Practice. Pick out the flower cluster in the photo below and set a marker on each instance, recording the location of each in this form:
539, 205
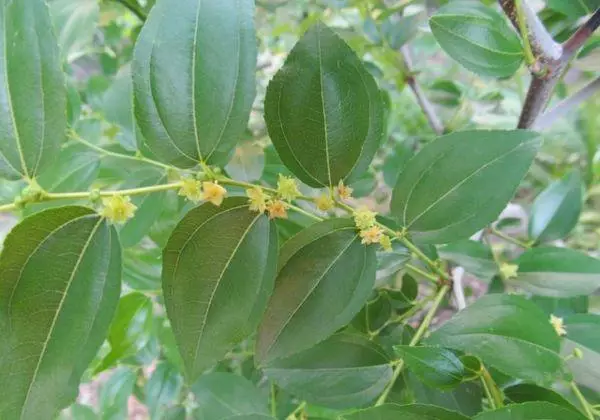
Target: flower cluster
118, 208
287, 188
261, 202
370, 231
558, 325
344, 192
195, 191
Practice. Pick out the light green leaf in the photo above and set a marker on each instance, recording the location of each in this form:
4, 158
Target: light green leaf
223, 395
344, 371
583, 332
493, 329
557, 272
141, 268
556, 210
218, 272
194, 79
324, 111
60, 278
436, 366
478, 37
574, 9
32, 93
461, 182
325, 277
408, 412
475, 257
115, 393
539, 410
75, 22
162, 390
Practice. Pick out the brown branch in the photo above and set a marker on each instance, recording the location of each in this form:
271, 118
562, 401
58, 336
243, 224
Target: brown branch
580, 37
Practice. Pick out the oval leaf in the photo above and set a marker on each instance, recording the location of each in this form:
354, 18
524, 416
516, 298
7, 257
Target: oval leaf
60, 279
324, 111
558, 272
522, 393
478, 37
461, 182
194, 78
583, 332
538, 410
412, 412
218, 272
325, 277
492, 328
436, 366
344, 371
32, 92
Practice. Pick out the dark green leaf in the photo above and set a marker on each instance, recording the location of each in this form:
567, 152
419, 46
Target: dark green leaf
436, 366
325, 277
556, 210
493, 329
538, 410
344, 371
408, 412
60, 278
478, 37
194, 78
558, 272
475, 257
522, 393
583, 332
461, 182
223, 395
32, 109
218, 272
562, 307
324, 111
574, 9
374, 314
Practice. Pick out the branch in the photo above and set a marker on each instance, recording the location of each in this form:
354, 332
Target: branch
135, 8
426, 106
576, 41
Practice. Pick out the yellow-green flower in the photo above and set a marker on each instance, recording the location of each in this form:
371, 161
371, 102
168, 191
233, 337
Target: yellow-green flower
324, 202
118, 208
386, 243
509, 271
191, 189
277, 209
364, 219
344, 191
257, 199
558, 325
287, 188
213, 192
372, 235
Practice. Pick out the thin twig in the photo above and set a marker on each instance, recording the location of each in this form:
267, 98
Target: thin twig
135, 8
582, 400
581, 35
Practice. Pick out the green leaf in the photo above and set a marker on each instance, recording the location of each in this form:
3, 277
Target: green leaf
344, 371
247, 163
461, 182
538, 410
493, 329
324, 111
218, 272
224, 395
194, 79
60, 278
33, 93
557, 272
522, 393
141, 269
399, 31
583, 332
325, 277
574, 9
475, 257
115, 393
408, 412
478, 37
562, 306
130, 329
556, 210
75, 22
162, 389
436, 366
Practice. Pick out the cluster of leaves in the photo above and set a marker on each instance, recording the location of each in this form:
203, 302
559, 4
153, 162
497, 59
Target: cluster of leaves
166, 244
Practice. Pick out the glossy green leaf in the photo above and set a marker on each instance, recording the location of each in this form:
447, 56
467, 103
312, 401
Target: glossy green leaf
75, 22
324, 111
574, 9
522, 393
130, 329
193, 79
60, 274
557, 272
162, 390
408, 412
32, 93
325, 277
478, 37
461, 182
218, 272
556, 210
583, 332
374, 314
224, 395
475, 257
435, 366
493, 329
344, 371
538, 410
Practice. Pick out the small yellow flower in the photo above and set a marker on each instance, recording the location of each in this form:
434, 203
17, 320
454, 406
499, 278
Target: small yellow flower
386, 243
117, 208
287, 188
509, 271
372, 235
191, 189
213, 192
277, 209
324, 202
257, 199
558, 325
364, 219
344, 191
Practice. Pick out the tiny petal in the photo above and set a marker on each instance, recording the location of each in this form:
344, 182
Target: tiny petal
386, 243
364, 219
257, 199
558, 325
371, 236
344, 191
287, 188
324, 202
118, 208
509, 271
213, 192
191, 189
277, 209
